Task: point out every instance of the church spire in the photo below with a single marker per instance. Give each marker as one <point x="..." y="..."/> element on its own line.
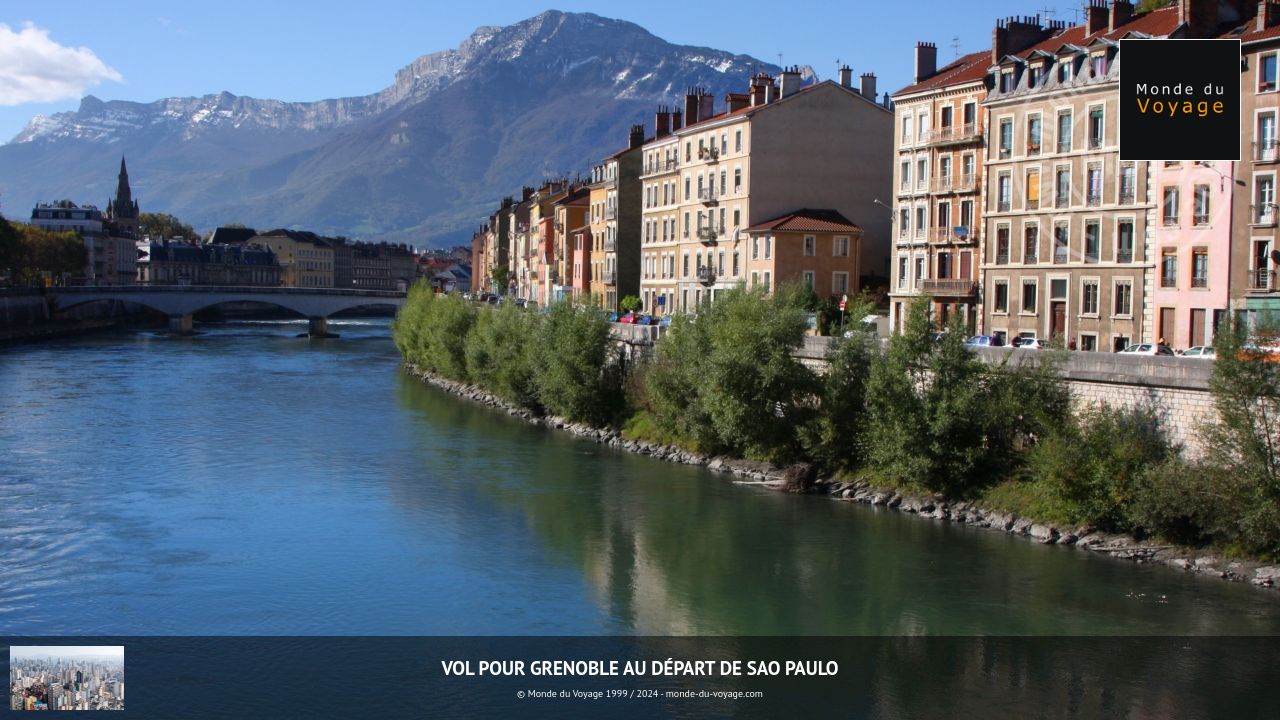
<point x="123" y="209"/>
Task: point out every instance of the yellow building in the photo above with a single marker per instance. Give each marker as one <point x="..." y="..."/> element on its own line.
<point x="305" y="259"/>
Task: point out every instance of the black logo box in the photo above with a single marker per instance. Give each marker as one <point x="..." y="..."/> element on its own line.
<point x="1190" y="65"/>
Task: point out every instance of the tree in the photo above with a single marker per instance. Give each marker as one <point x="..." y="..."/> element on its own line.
<point x="630" y="303"/>
<point x="9" y="245"/>
<point x="569" y="364"/>
<point x="836" y="438"/>
<point x="501" y="276"/>
<point x="162" y="225"/>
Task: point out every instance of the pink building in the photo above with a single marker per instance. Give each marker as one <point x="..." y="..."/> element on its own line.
<point x="581" y="267"/>
<point x="1191" y="250"/>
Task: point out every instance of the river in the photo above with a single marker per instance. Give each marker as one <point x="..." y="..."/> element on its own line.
<point x="249" y="482"/>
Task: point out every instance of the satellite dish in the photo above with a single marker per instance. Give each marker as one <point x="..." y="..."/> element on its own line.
<point x="961" y="231"/>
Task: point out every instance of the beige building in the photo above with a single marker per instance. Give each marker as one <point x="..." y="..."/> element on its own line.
<point x="593" y="274"/>
<point x="937" y="179"/>
<point x="1255" y="287"/>
<point x="305" y="259"/>
<point x="776" y="149"/>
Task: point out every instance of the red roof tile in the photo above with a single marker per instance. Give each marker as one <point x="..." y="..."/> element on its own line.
<point x="966" y="69"/>
<point x="807" y="220"/>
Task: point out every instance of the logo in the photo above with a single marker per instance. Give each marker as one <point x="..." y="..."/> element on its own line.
<point x="1179" y="99"/>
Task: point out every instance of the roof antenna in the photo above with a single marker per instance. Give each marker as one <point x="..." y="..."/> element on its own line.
<point x="780" y="59"/>
<point x="955" y="45"/>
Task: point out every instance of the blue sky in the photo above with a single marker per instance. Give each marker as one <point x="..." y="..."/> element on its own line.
<point x="51" y="54"/>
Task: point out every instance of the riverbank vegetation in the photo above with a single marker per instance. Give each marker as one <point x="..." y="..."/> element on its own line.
<point x="923" y="415"/>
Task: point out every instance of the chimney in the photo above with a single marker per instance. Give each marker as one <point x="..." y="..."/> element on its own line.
<point x="1268" y="14"/>
<point x="526" y="193"/>
<point x="1015" y="34"/>
<point x="662" y="122"/>
<point x="770" y="92"/>
<point x="706" y="104"/>
<point x="868" y="88"/>
<point x="1095" y="16"/>
<point x="846" y="76"/>
<point x="926" y="60"/>
<point x="636" y="139"/>
<point x="1200" y="17"/>
<point x="758" y="83"/>
<point x="677" y="120"/>
<point x="691" y="106"/>
<point x="790" y="81"/>
<point x="735" y="101"/>
<point x="1121" y="11"/>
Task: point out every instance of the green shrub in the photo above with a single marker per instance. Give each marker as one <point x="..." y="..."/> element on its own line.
<point x="836" y="437"/>
<point x="446" y="321"/>
<point x="499" y="352"/>
<point x="1097" y="464"/>
<point x="410" y="322"/>
<point x="569" y="364"/>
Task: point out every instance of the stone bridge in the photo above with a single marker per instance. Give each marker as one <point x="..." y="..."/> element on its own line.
<point x="180" y="302"/>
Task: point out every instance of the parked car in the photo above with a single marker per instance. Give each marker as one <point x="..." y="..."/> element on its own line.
<point x="1148" y="349"/>
<point x="664" y="321"/>
<point x="628" y="319"/>
<point x="1028" y="343"/>
<point x="984" y="341"/>
<point x="494" y="299"/>
<point x="645" y="320"/>
<point x="1205" y="352"/>
<point x="614" y="317"/>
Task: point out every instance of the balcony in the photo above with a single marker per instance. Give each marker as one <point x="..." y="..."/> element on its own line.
<point x="1093" y="200"/>
<point x="1261" y="280"/>
<point x="1095" y="143"/>
<point x="951" y="288"/>
<point x="1002" y="258"/>
<point x="1060" y="256"/>
<point x="953" y="135"/>
<point x="708" y="196"/>
<point x="1199" y="219"/>
<point x="1061" y="201"/>
<point x="1199" y="281"/>
<point x="610" y="212"/>
<point x="609" y="277"/>
<point x="1032" y="203"/>
<point x="1126" y="196"/>
<point x="1033" y="149"/>
<point x="710" y="154"/>
<point x="948" y="235"/>
<point x="661" y="166"/>
<point x="706" y="274"/>
<point x="709" y="233"/>
<point x="1064" y="146"/>
<point x="1265" y="152"/>
<point x="1030" y="256"/>
<point x="610" y="244"/>
<point x="1263" y="214"/>
<point x="1124" y="255"/>
<point x="1005" y="153"/>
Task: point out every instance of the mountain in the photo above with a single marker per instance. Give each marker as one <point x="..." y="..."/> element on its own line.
<point x="421" y="161"/>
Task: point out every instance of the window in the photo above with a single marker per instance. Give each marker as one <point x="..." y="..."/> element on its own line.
<point x="1089" y="297"/>
<point x="686" y="264"/>
<point x="737" y="180"/>
<point x="919" y="269"/>
<point x="970" y="116"/>
<point x="1170" y="206"/>
<point x="1200" y="268"/>
<point x="1124" y="298"/>
<point x="1265" y="200"/>
<point x="1029" y="290"/>
<point x="904" y="222"/>
<point x="1202" y="205"/>
<point x="1128" y="183"/>
<point x="1033" y="135"/>
<point x="1062" y="193"/>
<point x="902" y="272"/>
<point x="1267" y="72"/>
<point x="1124" y="241"/>
<point x="1006" y="81"/>
<point x="737" y="141"/>
<point x="906" y="129"/>
<point x="1092" y="240"/>
<point x="810" y="245"/>
<point x="1033" y="75"/>
<point x="1088" y="342"/>
<point x="1032" y="200"/>
<point x="1004" y="190"/>
<point x="735" y="263"/>
<point x="944" y="170"/>
<point x="1099" y="63"/>
<point x="808" y="279"/>
<point x="1096" y="132"/>
<point x="1093" y="185"/>
<point x="839" y="283"/>
<point x="1061" y="243"/>
<point x="944" y="217"/>
<point x="766" y="281"/>
<point x="944" y="266"/>
<point x="1064" y="132"/>
<point x="966" y="215"/>
<point x="737" y="217"/>
<point x="840" y="246"/>
<point x="922" y="173"/>
<point x="1002" y="296"/>
<point x="1168" y="268"/>
<point x="922" y="221"/>
<point x="1064" y="71"/>
<point x="686" y="187"/>
<point x="1031" y="244"/>
<point x="1006" y="138"/>
<point x="1002" y="245"/>
<point x="768" y="247"/>
<point x="905" y="182"/>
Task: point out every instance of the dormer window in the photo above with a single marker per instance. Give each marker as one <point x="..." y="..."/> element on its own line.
<point x="1006" y="81"/>
<point x="1034" y="73"/>
<point x="1064" y="70"/>
<point x="1099" y="62"/>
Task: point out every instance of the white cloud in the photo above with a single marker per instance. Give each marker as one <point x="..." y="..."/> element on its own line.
<point x="34" y="68"/>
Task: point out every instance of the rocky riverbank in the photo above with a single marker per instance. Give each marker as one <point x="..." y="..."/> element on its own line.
<point x="801" y="478"/>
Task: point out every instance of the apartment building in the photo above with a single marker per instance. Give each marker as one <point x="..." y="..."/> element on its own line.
<point x="518" y="244"/>
<point x="305" y="259"/>
<point x="570" y="210"/>
<point x="659" y="180"/>
<point x="1192" y="249"/>
<point x="1255" y="252"/>
<point x="622" y="219"/>
<point x="595" y="235"/>
<point x="774" y="150"/>
<point x="937" y="179"/>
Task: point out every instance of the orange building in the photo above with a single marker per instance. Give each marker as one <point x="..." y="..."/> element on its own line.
<point x="819" y="248"/>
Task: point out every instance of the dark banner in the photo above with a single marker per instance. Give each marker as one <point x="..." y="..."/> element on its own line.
<point x="646" y="677"/>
